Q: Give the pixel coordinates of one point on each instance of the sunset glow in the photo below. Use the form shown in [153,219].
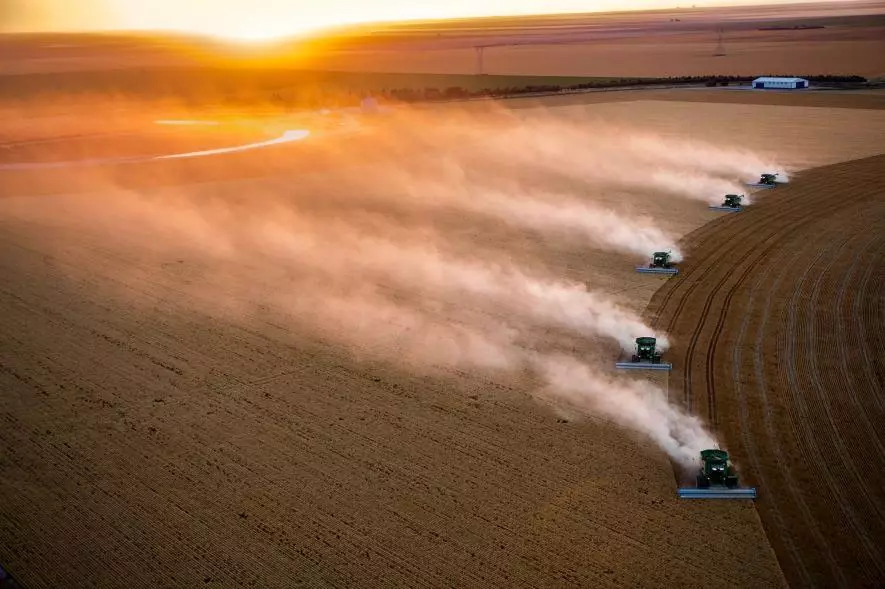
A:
[254,20]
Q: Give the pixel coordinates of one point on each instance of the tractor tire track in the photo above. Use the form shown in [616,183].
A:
[748,444]
[849,340]
[795,332]
[706,266]
[783,466]
[865,316]
[858,421]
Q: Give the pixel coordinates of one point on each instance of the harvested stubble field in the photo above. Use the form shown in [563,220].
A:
[778,317]
[173,417]
[680,42]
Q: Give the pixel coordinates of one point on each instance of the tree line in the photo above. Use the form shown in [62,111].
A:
[459,93]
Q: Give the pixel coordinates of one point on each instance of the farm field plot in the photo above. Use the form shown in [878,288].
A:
[170,419]
[847,39]
[776,346]
[674,54]
[804,136]
[670,43]
[158,433]
[862,99]
[173,416]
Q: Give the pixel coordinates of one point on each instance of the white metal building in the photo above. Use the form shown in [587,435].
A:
[781,83]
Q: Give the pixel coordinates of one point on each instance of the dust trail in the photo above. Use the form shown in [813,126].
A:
[376,327]
[707,157]
[447,186]
[710,189]
[390,331]
[391,255]
[600,226]
[432,273]
[618,155]
[364,319]
[344,292]
[389,289]
[635,404]
[549,213]
[617,165]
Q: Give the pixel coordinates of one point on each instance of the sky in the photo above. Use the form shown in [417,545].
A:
[258,19]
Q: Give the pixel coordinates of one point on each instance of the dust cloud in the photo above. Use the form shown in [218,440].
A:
[386,249]
[549,212]
[609,155]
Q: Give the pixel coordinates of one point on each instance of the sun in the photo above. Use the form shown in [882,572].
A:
[254,34]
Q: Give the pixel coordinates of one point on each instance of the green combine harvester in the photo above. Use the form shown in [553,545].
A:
[660,264]
[646,357]
[717,479]
[732,204]
[765,181]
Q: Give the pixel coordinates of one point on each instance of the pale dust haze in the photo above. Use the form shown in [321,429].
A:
[380,268]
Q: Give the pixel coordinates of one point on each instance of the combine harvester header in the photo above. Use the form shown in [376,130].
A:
[732,204]
[717,479]
[660,264]
[646,357]
[765,181]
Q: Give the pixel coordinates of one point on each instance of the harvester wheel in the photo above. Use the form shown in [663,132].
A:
[635,358]
[703,482]
[731,482]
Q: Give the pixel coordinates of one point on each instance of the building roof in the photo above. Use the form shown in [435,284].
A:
[769,79]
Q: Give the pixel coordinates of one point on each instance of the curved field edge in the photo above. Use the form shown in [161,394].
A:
[774,322]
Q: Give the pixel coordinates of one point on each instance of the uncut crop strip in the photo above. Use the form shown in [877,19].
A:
[821,211]
[707,264]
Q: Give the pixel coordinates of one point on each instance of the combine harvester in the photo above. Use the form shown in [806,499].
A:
[646,357]
[765,181]
[717,479]
[732,204]
[660,264]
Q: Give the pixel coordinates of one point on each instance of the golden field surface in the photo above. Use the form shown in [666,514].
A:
[790,39]
[381,353]
[775,346]
[215,379]
[681,42]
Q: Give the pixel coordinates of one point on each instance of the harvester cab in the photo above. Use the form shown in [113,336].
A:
[765,181]
[660,264]
[717,479]
[733,200]
[646,357]
[732,204]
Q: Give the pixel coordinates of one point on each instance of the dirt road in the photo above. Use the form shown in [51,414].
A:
[778,320]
